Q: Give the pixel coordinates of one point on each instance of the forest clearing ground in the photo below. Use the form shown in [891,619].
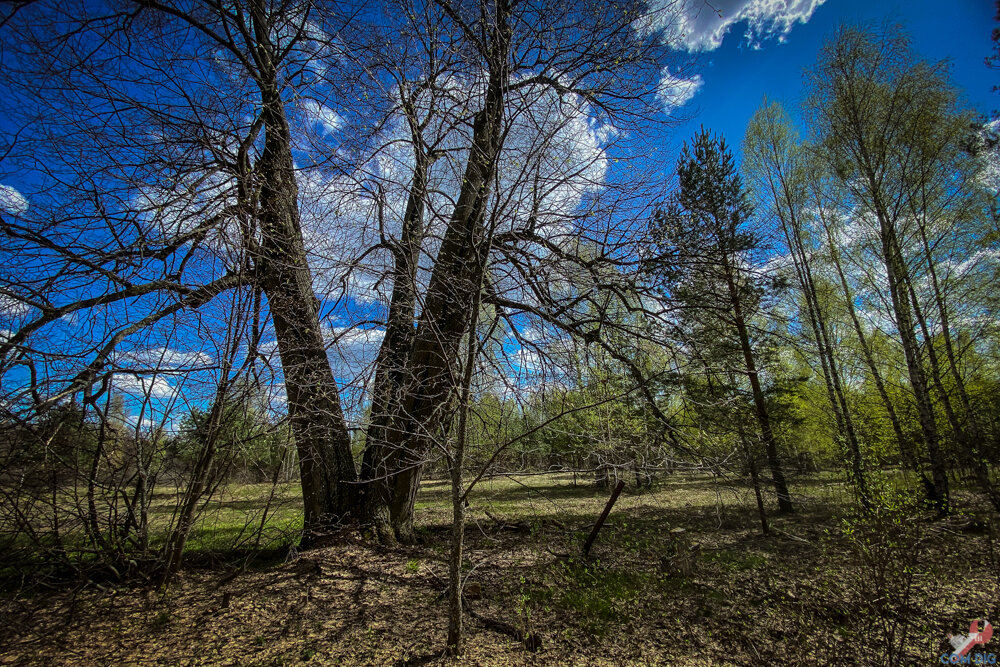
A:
[800,595]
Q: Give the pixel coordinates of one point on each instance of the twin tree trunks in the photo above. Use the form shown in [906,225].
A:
[415,381]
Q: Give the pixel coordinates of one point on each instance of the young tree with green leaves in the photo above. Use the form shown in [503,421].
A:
[889,130]
[775,163]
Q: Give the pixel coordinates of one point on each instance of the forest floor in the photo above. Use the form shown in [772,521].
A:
[824,587]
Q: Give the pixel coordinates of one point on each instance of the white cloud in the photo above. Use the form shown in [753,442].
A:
[352,351]
[363,341]
[989,175]
[528,361]
[777,264]
[12,201]
[322,115]
[973,261]
[701,25]
[139,386]
[676,91]
[12,308]
[166,358]
[176,209]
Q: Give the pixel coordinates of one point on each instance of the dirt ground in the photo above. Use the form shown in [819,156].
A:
[679,575]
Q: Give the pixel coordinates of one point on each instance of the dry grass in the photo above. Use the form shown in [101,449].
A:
[800,595]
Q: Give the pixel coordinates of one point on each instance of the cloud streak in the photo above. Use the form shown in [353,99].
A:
[676,91]
[12,201]
[701,26]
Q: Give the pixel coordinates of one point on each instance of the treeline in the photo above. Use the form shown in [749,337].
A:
[833,302]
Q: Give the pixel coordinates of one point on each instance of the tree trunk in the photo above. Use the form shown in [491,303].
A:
[202,477]
[970,434]
[896,275]
[760,404]
[326,464]
[905,450]
[754,478]
[391,365]
[831,375]
[456,462]
[432,371]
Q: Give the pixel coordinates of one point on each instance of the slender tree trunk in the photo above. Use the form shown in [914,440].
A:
[966,440]
[970,433]
[456,462]
[831,375]
[896,275]
[457,545]
[201,479]
[906,451]
[754,478]
[173,552]
[98,538]
[785,505]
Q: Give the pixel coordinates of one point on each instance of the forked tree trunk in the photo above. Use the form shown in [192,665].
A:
[432,371]
[390,371]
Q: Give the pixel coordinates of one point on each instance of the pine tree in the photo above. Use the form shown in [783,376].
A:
[705,265]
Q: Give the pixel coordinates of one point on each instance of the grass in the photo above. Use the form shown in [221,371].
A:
[231,521]
[802,594]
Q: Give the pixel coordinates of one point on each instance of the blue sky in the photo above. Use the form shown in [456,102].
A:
[742,50]
[736,76]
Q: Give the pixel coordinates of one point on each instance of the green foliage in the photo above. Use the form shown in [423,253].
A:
[889,542]
[735,561]
[244,439]
[599,596]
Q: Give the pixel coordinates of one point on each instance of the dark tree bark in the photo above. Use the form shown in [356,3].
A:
[391,365]
[317,420]
[431,371]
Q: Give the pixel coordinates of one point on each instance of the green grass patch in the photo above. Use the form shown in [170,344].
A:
[599,596]
[731,560]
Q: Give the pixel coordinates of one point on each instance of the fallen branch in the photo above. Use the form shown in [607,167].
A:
[531,641]
[604,515]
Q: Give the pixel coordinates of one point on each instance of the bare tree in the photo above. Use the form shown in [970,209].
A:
[533,61]
[181,183]
[176,156]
